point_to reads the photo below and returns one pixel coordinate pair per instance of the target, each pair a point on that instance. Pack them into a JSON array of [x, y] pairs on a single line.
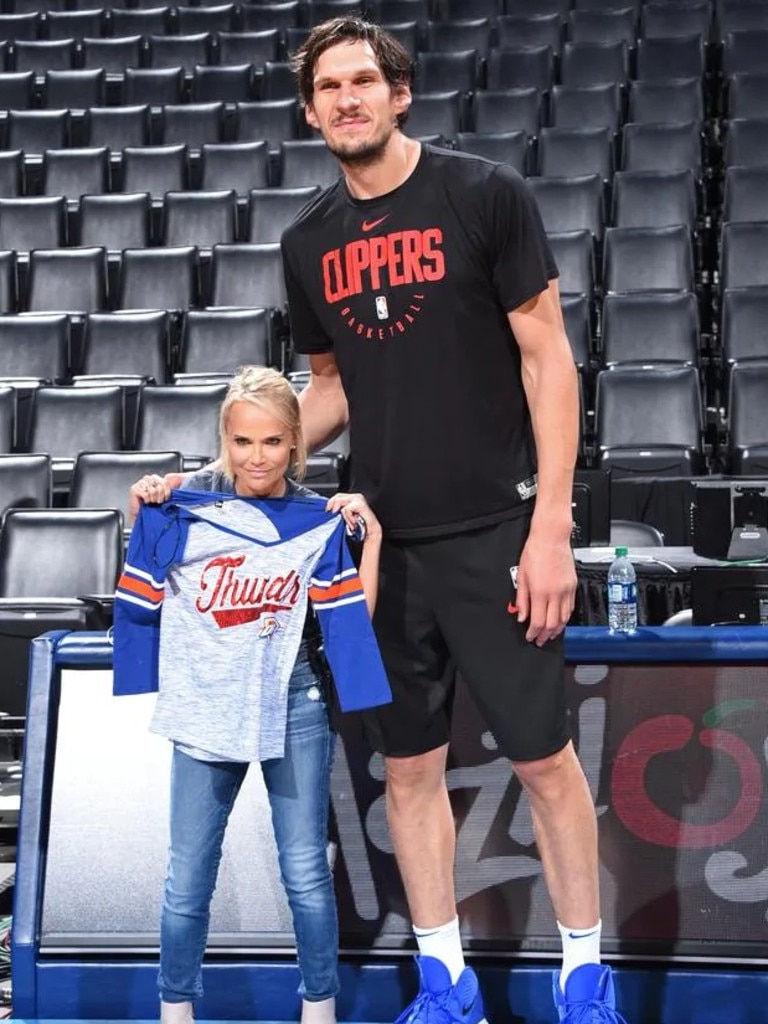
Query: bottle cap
[[622, 552]]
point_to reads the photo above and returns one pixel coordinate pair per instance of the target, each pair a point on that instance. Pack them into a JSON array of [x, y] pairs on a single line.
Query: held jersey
[[411, 291], [210, 609]]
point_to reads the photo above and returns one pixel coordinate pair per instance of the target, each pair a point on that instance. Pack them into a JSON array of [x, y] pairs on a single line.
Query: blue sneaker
[[589, 996], [440, 1002]]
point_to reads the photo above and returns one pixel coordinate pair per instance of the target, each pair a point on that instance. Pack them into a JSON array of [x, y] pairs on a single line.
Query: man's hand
[[153, 490], [546, 587]]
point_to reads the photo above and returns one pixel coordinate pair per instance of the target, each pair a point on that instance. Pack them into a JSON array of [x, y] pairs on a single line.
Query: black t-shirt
[[410, 292]]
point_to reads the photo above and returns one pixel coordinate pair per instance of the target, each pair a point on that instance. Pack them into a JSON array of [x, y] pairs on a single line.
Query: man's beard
[[360, 155]]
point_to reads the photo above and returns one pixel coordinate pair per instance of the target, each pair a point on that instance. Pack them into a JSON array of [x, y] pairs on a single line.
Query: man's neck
[[396, 166]]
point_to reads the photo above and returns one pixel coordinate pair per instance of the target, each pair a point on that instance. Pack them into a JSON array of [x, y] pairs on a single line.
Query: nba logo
[[382, 312]]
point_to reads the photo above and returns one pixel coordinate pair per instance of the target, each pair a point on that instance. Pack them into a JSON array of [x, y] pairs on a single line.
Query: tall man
[[423, 290]]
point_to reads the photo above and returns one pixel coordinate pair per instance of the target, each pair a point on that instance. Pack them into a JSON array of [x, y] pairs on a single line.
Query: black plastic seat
[[662, 147], [104, 479], [507, 110], [437, 113], [270, 121], [20, 25], [247, 275], [191, 124], [597, 26], [511, 148], [126, 345], [569, 152], [75, 24], [649, 421], [179, 51], [518, 31], [570, 204], [75, 172], [744, 255], [587, 106], [159, 278], [153, 86], [67, 420], [648, 259], [211, 18], [746, 143], [666, 100], [278, 81], [234, 165], [745, 196], [520, 68], [307, 162], [34, 347], [7, 418], [113, 55], [41, 55], [25, 481], [115, 222], [145, 22], [203, 219], [34, 131], [464, 33], [442, 72], [684, 56], [748, 418], [32, 222], [393, 11], [744, 312], [746, 95], [650, 329], [268, 16], [741, 17], [76, 90], [665, 19], [745, 52], [594, 63], [154, 169], [173, 418], [574, 253], [249, 337], [117, 128], [11, 173], [653, 199], [69, 280], [17, 90], [271, 210], [8, 281], [234, 83], [254, 48]]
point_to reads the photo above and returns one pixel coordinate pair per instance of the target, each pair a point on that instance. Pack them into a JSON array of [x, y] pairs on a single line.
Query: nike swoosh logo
[[585, 935], [369, 225]]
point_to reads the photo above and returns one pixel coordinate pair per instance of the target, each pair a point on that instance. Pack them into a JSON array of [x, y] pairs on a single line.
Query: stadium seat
[[154, 169], [596, 26], [75, 172], [234, 165], [437, 113], [746, 95], [249, 340], [683, 56], [212, 18], [34, 347], [666, 100], [17, 90], [8, 281], [145, 22], [574, 253], [653, 199], [159, 278], [570, 204], [441, 72], [278, 81], [520, 68], [11, 173], [455, 10], [256, 48], [203, 219], [173, 418], [271, 210], [76, 90], [641, 328], [662, 147], [21, 25], [126, 345], [178, 51], [747, 440], [664, 19], [648, 259], [511, 148], [270, 121], [588, 106], [744, 313], [594, 63], [649, 421], [745, 196], [32, 222], [394, 11], [104, 479], [234, 83], [41, 55], [745, 52], [247, 275], [746, 143], [507, 110], [68, 420], [153, 86], [307, 162], [67, 280], [7, 419], [34, 131], [518, 31], [191, 124], [115, 222], [577, 320], [113, 55], [118, 128], [269, 16], [741, 17], [25, 481], [571, 152], [465, 33], [75, 24], [744, 255]]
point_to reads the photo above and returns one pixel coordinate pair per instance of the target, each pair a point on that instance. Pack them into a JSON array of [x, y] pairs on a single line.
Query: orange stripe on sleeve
[[322, 594], [140, 588]]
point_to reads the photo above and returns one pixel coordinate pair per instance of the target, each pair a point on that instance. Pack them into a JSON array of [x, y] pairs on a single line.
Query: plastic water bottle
[[622, 594]]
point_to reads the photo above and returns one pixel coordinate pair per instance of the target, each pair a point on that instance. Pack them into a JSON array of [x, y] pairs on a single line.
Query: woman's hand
[[151, 490], [354, 507]]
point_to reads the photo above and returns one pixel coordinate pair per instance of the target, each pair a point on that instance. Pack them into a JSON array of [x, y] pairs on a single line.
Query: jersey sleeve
[[350, 644], [307, 332], [138, 601], [521, 260]]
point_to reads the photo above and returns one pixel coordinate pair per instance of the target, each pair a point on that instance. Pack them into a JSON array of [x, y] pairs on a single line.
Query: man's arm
[[324, 411], [547, 577]]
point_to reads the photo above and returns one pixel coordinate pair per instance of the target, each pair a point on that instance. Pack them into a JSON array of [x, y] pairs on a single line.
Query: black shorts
[[443, 607]]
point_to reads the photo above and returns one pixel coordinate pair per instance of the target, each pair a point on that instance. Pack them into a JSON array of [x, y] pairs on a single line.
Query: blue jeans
[[202, 796]]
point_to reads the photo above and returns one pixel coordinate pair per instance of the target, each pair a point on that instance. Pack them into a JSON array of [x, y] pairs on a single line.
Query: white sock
[[444, 944], [323, 1012], [176, 1013], [580, 946]]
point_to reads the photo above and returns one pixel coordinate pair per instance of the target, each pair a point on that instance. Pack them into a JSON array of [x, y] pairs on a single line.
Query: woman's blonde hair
[[269, 390]]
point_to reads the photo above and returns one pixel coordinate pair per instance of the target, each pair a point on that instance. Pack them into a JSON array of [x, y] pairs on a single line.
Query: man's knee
[[553, 775], [417, 776]]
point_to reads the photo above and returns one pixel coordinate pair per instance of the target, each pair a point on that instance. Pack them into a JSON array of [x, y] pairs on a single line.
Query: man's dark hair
[[393, 59]]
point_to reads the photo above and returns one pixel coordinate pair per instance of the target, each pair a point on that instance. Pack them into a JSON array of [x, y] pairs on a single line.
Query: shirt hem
[[462, 526]]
